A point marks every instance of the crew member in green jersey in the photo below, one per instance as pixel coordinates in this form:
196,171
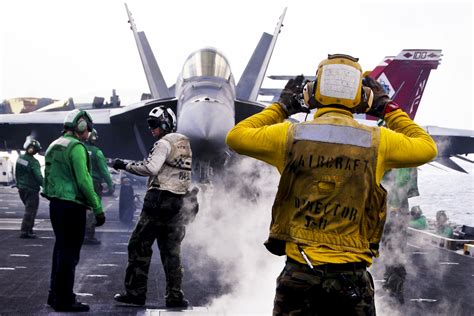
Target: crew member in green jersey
68,186
100,174
29,180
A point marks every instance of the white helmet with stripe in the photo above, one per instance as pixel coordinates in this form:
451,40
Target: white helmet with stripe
162,117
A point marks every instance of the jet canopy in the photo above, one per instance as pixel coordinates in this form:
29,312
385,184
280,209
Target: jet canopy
206,62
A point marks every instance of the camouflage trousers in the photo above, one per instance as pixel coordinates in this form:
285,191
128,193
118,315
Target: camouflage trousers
324,291
31,201
90,219
149,228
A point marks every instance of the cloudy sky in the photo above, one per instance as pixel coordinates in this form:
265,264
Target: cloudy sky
84,48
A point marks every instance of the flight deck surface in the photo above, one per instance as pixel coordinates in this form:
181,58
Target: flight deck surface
439,281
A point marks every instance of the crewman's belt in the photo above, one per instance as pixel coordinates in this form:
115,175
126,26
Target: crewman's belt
330,267
164,193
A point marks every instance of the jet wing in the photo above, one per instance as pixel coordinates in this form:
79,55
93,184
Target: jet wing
275,92
123,132
450,164
140,110
288,77
244,109
254,73
452,143
44,126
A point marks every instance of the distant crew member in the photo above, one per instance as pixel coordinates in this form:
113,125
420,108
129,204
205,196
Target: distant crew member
100,173
417,219
29,180
442,226
168,167
330,208
68,186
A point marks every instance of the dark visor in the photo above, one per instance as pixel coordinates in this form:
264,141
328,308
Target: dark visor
153,123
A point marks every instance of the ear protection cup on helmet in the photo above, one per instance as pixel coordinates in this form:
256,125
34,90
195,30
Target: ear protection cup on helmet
93,136
78,121
165,126
367,97
308,94
81,125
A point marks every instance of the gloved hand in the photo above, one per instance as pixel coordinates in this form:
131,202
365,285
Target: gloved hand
112,189
291,98
381,104
119,164
99,219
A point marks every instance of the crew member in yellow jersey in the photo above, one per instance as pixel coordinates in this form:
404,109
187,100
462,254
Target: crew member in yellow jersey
330,209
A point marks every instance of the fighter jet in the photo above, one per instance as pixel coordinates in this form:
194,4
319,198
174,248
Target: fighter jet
205,98
404,77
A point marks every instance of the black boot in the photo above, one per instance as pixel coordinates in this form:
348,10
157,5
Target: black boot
51,299
27,235
174,295
181,302
91,241
74,307
129,299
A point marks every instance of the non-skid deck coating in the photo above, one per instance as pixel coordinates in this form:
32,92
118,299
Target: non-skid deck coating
439,281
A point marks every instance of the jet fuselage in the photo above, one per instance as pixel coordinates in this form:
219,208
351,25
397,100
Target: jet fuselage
205,92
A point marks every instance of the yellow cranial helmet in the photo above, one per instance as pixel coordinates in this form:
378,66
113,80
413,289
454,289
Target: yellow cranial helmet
338,82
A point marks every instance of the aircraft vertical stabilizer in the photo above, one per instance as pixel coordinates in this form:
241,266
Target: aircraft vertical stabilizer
156,82
254,73
405,76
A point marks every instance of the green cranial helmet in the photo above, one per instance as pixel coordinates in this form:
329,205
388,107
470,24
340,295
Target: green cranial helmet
78,121
31,142
93,136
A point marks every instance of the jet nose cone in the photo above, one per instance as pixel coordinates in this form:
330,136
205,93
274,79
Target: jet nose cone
206,123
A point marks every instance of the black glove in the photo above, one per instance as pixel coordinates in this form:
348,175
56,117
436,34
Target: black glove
119,164
381,104
99,219
291,98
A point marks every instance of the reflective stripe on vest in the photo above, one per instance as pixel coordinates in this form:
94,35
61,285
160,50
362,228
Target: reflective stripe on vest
22,162
334,134
61,141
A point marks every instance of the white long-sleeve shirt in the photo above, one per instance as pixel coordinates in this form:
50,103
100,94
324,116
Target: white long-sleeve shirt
154,162
168,164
